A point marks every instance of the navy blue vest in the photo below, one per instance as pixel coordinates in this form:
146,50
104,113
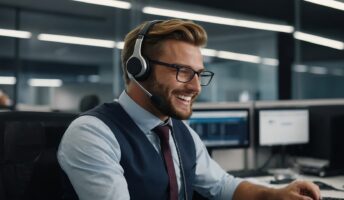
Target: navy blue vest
143,166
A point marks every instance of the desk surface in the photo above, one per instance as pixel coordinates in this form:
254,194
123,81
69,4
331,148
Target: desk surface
337,182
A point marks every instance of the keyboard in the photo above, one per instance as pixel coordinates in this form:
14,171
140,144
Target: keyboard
331,198
249,173
325,186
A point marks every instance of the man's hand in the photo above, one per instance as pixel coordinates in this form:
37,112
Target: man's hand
299,190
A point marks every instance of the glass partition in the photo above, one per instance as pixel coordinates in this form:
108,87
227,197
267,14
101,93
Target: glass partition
245,58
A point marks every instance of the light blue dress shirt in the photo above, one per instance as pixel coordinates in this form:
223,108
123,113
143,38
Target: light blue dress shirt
90,155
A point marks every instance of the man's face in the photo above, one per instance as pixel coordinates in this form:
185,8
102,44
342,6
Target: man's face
177,97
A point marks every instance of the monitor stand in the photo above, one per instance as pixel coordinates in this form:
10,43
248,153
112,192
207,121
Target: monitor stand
283,152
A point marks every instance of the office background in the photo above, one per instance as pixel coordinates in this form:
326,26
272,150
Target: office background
250,62
259,50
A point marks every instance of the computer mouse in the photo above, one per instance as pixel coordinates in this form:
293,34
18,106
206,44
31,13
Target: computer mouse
283,176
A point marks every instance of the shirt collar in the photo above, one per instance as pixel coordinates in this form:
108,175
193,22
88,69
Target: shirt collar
145,120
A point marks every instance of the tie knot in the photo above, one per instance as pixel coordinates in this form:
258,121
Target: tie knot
162,131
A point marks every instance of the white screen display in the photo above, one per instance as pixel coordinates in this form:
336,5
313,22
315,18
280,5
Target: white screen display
283,127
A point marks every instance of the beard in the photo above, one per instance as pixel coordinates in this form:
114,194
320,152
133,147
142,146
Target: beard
165,105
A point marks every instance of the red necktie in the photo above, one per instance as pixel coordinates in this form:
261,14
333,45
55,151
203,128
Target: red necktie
163,133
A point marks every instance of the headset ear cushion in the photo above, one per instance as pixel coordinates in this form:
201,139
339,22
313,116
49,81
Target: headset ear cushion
146,72
135,67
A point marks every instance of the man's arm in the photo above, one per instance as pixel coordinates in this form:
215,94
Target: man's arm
297,190
211,181
89,153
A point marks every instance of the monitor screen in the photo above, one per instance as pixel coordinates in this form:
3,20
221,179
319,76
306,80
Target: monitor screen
283,126
222,127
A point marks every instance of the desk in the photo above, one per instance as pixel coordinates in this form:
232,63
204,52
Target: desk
337,182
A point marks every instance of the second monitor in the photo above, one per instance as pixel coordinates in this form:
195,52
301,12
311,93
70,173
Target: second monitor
280,126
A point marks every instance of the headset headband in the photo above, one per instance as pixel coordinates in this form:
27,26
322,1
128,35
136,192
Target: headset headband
137,66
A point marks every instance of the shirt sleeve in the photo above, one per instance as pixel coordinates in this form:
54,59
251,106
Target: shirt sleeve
89,153
211,180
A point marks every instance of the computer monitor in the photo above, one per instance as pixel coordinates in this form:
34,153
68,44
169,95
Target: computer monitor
326,135
222,128
282,126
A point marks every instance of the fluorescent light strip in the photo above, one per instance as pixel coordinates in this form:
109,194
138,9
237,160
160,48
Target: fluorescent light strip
37,82
209,52
110,3
120,45
328,3
318,70
77,40
239,57
300,68
93,78
7,80
319,40
218,20
270,61
15,33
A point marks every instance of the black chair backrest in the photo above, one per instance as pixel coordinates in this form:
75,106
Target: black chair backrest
23,141
28,147
23,144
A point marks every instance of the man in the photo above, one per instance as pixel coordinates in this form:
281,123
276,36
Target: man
119,150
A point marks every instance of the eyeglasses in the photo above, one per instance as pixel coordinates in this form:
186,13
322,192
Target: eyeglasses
185,73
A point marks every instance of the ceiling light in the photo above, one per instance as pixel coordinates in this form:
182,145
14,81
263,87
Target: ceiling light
110,3
34,82
300,68
209,52
93,78
77,40
218,20
328,3
7,80
15,33
318,70
120,45
270,61
238,56
319,40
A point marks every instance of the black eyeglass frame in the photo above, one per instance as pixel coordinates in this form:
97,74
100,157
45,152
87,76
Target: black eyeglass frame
178,67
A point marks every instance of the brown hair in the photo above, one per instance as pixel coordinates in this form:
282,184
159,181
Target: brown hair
176,29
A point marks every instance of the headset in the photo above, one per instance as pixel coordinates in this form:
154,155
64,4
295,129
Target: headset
137,65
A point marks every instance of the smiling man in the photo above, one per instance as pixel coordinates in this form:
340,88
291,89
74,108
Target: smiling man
137,147
177,96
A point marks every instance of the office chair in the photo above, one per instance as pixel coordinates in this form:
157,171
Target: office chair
23,144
